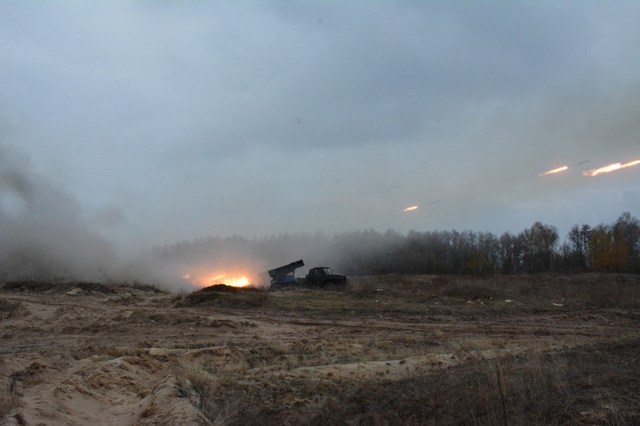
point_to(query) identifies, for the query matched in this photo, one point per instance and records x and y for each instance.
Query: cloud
(163, 121)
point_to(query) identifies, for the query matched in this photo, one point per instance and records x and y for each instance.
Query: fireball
(208, 279)
(228, 279)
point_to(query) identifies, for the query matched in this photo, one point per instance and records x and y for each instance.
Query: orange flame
(233, 280)
(554, 171)
(611, 168)
(410, 209)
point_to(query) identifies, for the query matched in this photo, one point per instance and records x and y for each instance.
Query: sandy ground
(132, 357)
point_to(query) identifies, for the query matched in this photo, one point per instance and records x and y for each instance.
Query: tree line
(603, 248)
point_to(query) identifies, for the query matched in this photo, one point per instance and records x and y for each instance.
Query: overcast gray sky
(160, 121)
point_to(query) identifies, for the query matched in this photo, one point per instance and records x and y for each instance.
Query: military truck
(319, 276)
(284, 276)
(322, 276)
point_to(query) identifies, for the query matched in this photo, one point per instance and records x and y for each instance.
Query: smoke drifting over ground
(43, 232)
(46, 235)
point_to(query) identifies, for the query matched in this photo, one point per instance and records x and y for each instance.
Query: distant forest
(602, 248)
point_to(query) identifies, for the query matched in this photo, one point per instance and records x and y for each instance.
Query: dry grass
(137, 285)
(7, 402)
(55, 287)
(536, 291)
(590, 385)
(12, 389)
(544, 349)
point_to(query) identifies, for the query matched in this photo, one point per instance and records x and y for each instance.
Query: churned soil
(385, 350)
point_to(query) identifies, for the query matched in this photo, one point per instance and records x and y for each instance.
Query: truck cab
(322, 275)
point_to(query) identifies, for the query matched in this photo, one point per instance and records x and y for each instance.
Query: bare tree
(541, 241)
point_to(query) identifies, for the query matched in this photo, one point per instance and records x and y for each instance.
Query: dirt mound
(226, 296)
(221, 288)
(54, 287)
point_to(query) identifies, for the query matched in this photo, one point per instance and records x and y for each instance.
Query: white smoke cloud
(43, 232)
